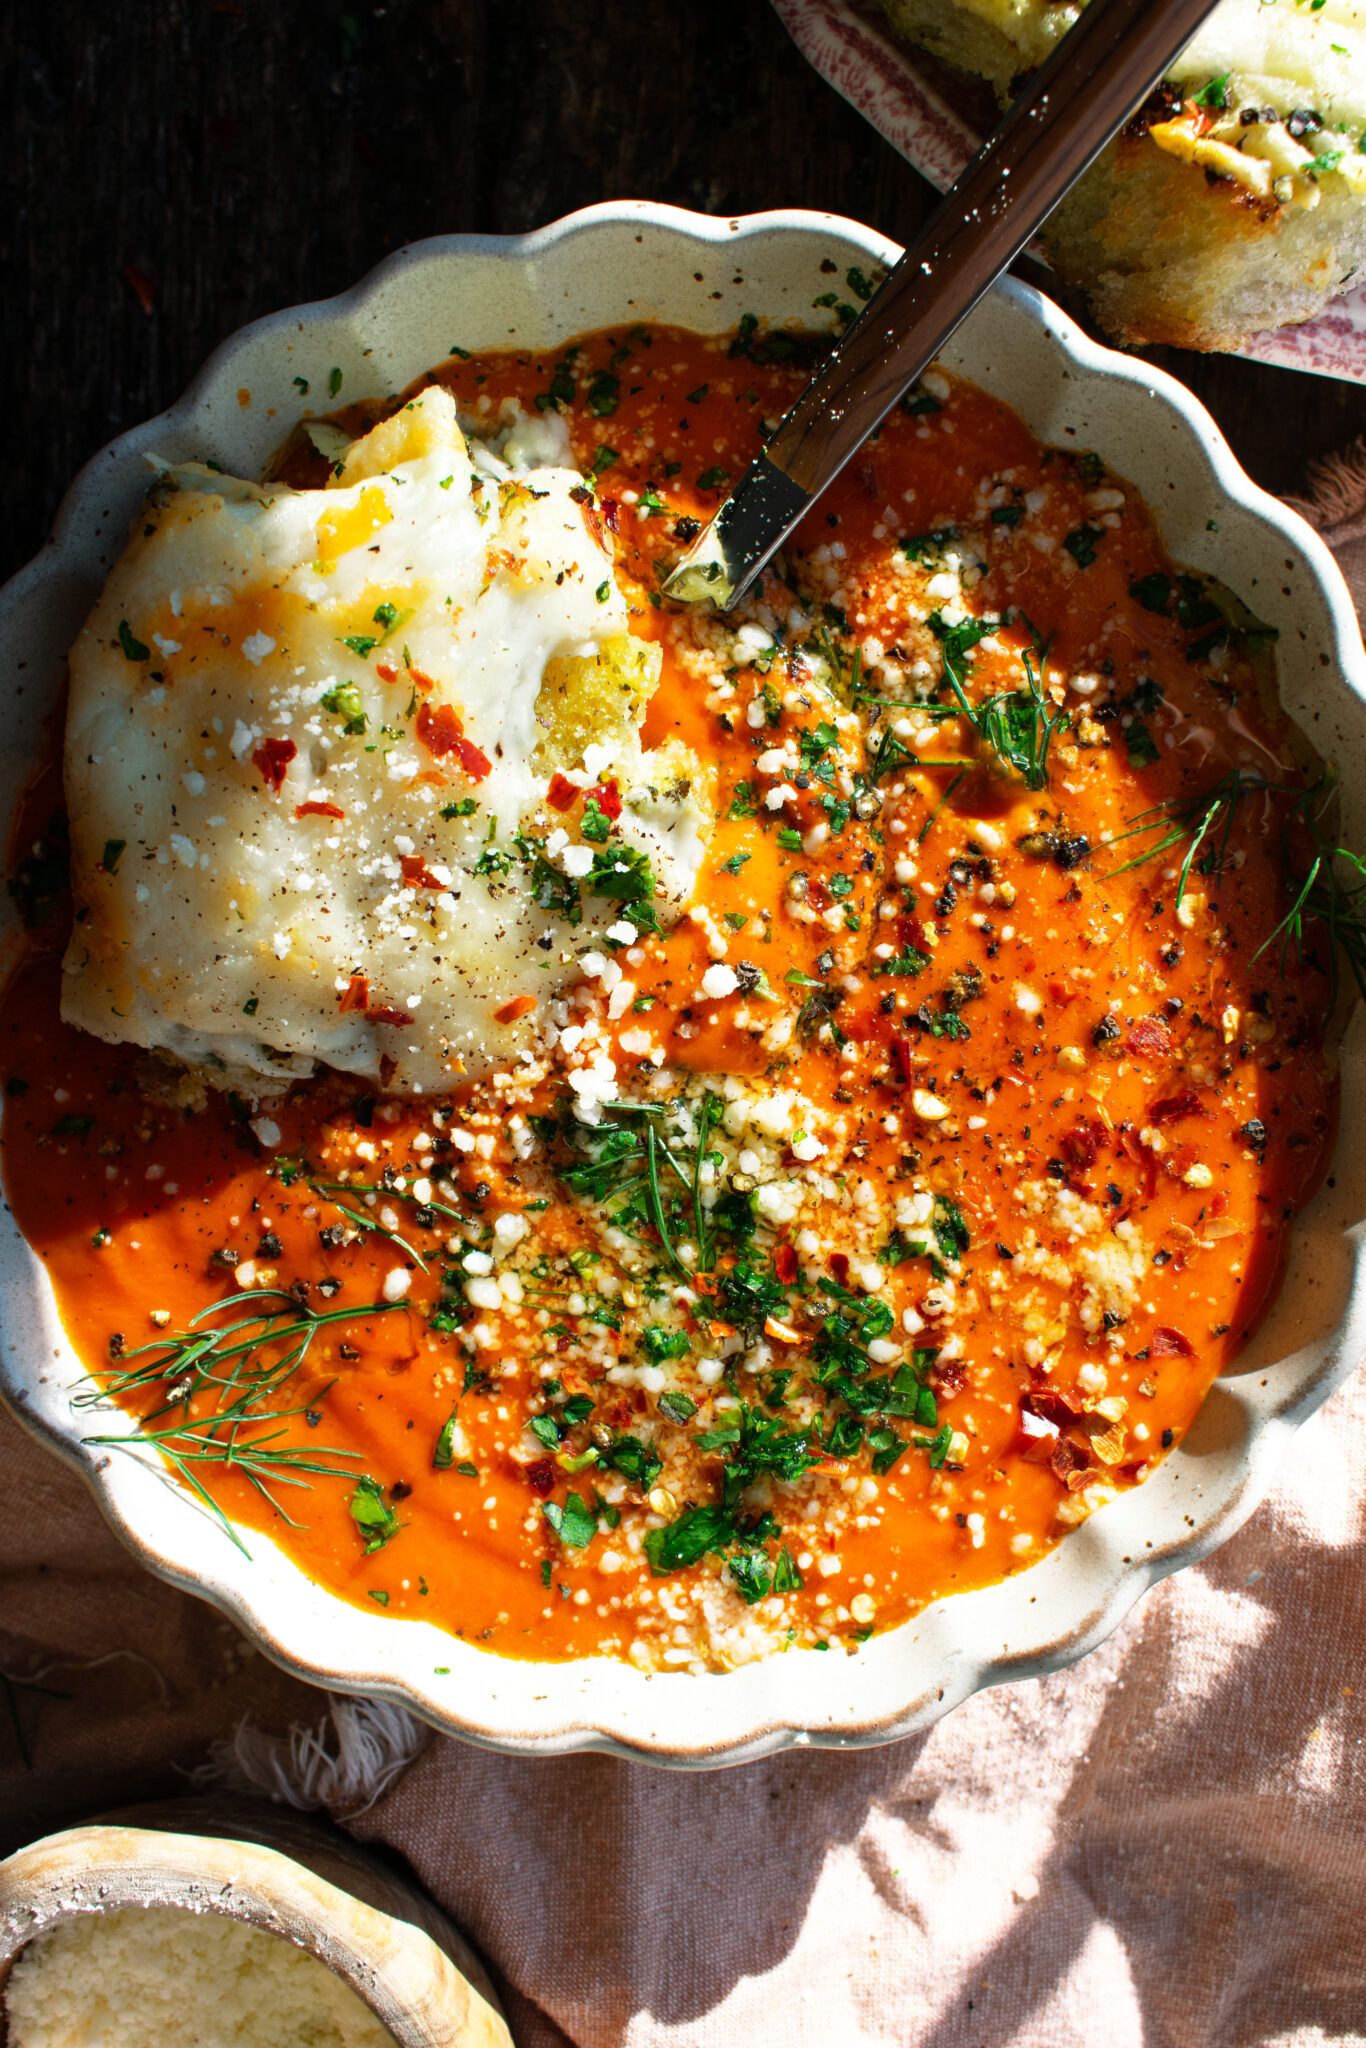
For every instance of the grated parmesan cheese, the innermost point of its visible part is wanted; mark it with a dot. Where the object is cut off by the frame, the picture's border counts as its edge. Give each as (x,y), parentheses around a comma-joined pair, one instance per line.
(159,1973)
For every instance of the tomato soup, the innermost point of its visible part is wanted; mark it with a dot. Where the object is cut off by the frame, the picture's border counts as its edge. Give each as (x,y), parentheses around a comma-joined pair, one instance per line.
(847,1240)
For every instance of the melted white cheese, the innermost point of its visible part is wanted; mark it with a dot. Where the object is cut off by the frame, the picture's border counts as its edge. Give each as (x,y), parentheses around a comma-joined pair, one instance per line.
(214,694)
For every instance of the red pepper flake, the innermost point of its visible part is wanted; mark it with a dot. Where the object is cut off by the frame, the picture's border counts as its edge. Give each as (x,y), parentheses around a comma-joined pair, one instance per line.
(583,498)
(1053,1406)
(901,1058)
(1150,1035)
(1169,1343)
(272,759)
(1080,1147)
(422,681)
(417,874)
(948,1379)
(910,931)
(520,1006)
(609,513)
(1037,1439)
(562,793)
(609,800)
(144,291)
(356,995)
(1070,1464)
(473,760)
(386,671)
(839,1266)
(1171,1108)
(442,733)
(540,1476)
(387,1016)
(316,810)
(817,894)
(439,729)
(785,1264)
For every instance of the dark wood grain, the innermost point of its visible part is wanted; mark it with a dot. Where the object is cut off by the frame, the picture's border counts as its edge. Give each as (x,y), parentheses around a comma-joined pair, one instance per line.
(222,158)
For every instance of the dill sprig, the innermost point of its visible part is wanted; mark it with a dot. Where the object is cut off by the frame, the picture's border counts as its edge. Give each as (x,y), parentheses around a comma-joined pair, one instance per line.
(1018,726)
(945,797)
(844,663)
(1204,820)
(631,1158)
(1331,892)
(340,1192)
(238,1369)
(1328,890)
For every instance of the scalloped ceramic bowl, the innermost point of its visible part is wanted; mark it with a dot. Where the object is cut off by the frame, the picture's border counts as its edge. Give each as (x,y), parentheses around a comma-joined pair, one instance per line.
(629,262)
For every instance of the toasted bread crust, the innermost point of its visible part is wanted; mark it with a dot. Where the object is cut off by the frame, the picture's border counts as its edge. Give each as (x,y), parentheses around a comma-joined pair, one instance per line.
(1166,250)
(1166,254)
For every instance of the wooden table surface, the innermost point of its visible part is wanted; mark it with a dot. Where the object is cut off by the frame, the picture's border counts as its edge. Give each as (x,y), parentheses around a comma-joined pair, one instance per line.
(177,167)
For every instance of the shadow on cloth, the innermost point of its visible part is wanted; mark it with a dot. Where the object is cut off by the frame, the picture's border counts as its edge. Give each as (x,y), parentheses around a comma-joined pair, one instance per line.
(1152,1822)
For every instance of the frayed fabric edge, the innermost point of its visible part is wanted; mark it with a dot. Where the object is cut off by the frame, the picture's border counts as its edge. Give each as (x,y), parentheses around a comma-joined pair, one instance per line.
(1336,497)
(343,1763)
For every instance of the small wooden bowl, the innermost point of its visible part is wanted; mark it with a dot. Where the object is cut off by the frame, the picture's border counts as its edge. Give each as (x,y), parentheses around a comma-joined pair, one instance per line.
(278,1871)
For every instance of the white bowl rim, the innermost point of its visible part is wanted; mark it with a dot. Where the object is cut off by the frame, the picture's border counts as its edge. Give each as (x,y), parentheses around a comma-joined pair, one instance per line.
(1271,1420)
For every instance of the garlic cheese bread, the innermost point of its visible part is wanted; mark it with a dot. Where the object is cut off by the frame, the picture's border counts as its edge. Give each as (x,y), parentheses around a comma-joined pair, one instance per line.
(1235,200)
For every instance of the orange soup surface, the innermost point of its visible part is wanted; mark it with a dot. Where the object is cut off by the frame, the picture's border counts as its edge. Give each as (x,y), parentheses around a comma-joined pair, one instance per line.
(956,1126)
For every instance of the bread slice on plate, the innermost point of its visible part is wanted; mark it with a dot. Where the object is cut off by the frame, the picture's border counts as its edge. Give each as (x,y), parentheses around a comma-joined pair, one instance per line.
(1235,200)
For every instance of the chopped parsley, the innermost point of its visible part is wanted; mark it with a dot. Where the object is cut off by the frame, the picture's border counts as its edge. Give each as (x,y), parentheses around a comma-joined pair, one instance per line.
(372,1514)
(1214,93)
(575,1523)
(1082,542)
(1141,744)
(345,700)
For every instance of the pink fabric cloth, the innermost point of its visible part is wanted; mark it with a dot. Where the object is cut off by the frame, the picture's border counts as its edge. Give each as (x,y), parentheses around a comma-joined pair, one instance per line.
(1163,1847)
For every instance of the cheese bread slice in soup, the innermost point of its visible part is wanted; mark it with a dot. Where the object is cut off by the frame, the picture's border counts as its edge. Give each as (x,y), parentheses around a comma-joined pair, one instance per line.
(311,752)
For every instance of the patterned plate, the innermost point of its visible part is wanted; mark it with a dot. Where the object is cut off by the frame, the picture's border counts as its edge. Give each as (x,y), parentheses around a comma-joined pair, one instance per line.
(896,92)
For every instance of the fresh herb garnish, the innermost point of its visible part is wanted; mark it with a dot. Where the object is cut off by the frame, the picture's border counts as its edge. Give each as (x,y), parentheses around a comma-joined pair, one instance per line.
(1328,889)
(372,1514)
(346,701)
(225,1373)
(575,1523)
(1081,544)
(1018,726)
(603,394)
